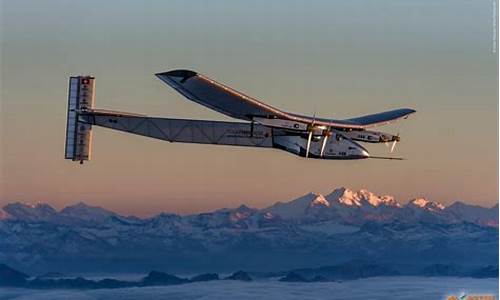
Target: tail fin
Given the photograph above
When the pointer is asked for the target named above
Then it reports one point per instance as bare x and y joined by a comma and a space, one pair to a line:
78, 134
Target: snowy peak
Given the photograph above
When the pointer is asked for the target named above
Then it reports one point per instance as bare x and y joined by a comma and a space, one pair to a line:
360, 198
319, 201
86, 212
42, 212
343, 196
426, 204
341, 206
390, 201
346, 206
30, 212
420, 202
293, 209
375, 200
241, 213
349, 198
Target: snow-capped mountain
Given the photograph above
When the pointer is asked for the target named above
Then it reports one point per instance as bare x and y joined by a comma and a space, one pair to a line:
31, 212
326, 229
427, 205
84, 212
42, 212
360, 198
342, 205
349, 207
474, 214
296, 208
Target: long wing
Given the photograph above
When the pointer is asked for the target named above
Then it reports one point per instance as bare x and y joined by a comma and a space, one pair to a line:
216, 96
230, 102
382, 118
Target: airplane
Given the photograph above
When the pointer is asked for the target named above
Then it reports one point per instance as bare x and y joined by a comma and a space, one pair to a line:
264, 126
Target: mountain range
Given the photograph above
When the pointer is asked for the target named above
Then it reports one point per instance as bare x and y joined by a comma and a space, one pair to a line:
310, 231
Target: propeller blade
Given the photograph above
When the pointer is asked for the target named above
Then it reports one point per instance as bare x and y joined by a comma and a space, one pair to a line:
393, 145
309, 143
395, 140
325, 138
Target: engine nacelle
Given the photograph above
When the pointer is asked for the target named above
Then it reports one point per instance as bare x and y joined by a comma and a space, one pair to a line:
371, 136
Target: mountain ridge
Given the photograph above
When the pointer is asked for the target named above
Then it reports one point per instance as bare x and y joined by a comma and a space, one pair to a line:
340, 204
312, 230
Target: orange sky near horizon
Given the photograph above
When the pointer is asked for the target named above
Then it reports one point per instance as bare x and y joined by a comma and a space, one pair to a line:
339, 58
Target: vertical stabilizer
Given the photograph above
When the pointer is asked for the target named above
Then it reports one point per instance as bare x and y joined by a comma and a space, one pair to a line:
78, 134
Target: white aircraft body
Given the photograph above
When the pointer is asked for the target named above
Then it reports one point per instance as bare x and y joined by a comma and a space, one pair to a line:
263, 126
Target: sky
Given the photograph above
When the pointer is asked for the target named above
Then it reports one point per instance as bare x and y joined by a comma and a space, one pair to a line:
339, 59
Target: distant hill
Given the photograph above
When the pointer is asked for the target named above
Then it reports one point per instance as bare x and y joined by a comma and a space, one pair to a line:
346, 271
11, 277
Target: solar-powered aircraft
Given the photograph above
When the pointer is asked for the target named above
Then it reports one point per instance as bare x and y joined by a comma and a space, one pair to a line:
264, 126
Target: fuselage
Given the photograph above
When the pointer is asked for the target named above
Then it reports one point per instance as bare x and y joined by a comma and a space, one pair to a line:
335, 147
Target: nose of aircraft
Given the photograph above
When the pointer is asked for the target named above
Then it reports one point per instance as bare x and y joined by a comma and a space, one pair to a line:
365, 154
360, 151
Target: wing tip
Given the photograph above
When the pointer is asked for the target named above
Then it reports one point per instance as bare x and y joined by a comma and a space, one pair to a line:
183, 74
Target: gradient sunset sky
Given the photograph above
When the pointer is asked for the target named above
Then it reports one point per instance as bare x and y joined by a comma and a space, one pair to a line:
338, 58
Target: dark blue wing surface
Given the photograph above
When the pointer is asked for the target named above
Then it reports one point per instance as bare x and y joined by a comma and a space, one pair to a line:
382, 118
216, 96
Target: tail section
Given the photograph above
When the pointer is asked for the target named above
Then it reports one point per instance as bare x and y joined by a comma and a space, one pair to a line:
78, 134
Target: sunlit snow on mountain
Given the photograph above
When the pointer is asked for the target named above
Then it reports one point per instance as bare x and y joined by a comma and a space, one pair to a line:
312, 230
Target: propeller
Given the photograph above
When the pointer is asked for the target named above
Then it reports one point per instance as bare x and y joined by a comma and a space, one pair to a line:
395, 140
393, 146
309, 138
325, 139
